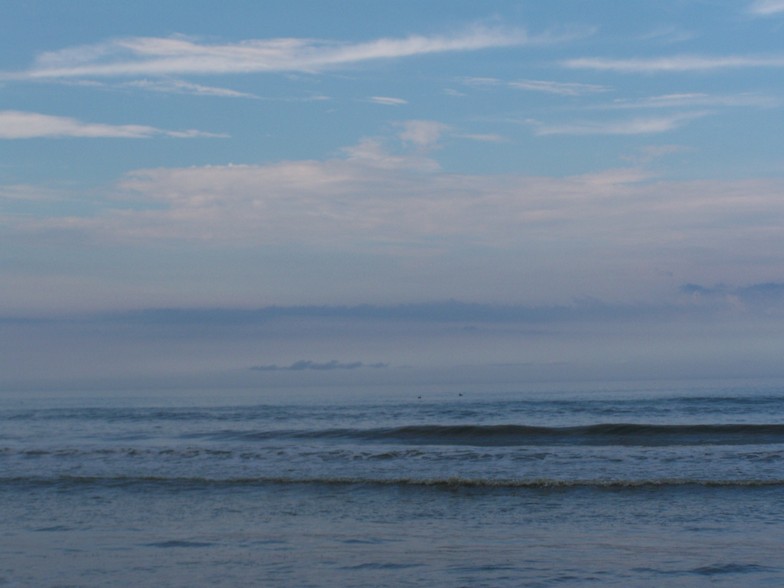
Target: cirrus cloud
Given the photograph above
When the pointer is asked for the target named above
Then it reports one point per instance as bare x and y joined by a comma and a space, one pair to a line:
634, 126
478, 233
675, 63
559, 88
173, 86
400, 199
179, 55
16, 124
694, 99
766, 7
388, 100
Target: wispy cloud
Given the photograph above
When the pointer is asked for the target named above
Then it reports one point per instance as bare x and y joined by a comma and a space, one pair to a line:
482, 137
179, 55
453, 92
26, 193
403, 212
647, 154
170, 86
766, 7
668, 35
346, 201
675, 63
632, 126
480, 81
697, 99
560, 88
16, 124
424, 134
371, 196
544, 86
388, 100
166, 85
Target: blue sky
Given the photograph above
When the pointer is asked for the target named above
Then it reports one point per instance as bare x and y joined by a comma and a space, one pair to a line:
539, 159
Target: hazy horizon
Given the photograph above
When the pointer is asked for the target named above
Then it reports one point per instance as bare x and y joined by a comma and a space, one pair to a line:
189, 191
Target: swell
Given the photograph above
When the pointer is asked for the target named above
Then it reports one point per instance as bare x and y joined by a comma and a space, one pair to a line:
193, 483
609, 434
700, 404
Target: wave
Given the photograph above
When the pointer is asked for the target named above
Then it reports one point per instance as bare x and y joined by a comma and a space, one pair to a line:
623, 434
181, 483
684, 405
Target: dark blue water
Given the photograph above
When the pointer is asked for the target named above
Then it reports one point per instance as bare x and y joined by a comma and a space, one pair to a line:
623, 485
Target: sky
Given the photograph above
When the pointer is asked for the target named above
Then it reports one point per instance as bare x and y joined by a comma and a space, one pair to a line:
272, 188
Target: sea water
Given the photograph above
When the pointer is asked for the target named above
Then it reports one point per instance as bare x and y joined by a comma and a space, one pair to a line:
622, 485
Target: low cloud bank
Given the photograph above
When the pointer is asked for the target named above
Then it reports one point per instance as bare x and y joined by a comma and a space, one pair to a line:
696, 301
306, 364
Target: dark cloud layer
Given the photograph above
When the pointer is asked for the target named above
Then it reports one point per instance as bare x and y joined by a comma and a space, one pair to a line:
698, 301
695, 301
765, 297
434, 312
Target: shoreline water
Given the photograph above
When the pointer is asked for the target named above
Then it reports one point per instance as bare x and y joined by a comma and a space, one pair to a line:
530, 488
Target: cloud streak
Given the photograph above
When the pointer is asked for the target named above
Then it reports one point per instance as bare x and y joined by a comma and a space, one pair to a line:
634, 126
386, 203
15, 124
544, 86
388, 101
766, 7
183, 87
179, 55
696, 99
675, 64
559, 88
397, 205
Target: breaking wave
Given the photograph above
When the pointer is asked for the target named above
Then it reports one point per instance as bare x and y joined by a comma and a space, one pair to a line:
622, 434
180, 483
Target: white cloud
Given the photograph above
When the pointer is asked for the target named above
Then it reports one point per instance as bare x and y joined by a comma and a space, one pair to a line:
766, 7
27, 193
560, 88
388, 101
676, 63
29, 125
692, 99
668, 35
182, 87
370, 153
424, 134
193, 134
480, 81
483, 234
482, 137
633, 126
155, 56
403, 209
369, 196
649, 153
453, 92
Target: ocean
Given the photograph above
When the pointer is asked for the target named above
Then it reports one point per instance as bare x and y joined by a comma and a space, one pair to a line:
623, 484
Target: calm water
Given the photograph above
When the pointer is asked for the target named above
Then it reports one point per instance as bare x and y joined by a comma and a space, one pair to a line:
617, 486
